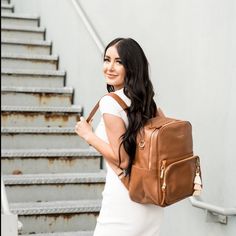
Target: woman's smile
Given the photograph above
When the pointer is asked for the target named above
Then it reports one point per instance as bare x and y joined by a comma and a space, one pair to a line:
111, 75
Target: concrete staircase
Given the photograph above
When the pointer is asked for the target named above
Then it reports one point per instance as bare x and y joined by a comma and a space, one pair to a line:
53, 179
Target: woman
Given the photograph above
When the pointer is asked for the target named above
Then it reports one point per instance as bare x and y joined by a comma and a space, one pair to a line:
126, 73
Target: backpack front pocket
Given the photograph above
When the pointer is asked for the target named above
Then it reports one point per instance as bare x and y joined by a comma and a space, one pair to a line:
178, 180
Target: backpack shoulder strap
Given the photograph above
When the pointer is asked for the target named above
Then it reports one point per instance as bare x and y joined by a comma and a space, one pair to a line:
92, 113
119, 100
113, 95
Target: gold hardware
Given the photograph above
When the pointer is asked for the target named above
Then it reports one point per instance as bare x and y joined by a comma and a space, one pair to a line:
163, 187
142, 144
163, 168
162, 172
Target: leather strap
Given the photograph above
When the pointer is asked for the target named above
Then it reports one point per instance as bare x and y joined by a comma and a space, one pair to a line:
119, 100
92, 113
113, 95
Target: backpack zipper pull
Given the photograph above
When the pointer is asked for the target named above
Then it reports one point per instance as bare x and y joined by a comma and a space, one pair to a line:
163, 166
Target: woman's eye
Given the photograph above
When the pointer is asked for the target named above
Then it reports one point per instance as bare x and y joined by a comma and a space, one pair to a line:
119, 62
106, 60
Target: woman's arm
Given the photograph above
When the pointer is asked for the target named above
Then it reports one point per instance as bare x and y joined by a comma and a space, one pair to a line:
114, 128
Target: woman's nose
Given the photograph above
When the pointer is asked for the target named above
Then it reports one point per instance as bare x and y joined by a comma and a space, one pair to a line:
111, 66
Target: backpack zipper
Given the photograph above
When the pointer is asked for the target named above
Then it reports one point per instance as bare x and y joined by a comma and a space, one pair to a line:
149, 158
163, 183
163, 166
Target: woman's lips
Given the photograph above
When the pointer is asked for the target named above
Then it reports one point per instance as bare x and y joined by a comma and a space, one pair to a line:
110, 75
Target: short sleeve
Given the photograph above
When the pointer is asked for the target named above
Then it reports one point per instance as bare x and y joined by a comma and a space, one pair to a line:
109, 105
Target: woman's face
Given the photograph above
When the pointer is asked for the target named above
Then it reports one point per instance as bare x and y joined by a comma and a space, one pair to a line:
113, 68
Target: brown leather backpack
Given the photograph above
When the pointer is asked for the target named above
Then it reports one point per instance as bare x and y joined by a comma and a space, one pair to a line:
164, 170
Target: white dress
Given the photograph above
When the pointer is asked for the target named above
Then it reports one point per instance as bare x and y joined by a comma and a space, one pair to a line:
119, 215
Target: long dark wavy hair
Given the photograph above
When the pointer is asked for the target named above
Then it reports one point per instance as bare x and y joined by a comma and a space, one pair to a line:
138, 88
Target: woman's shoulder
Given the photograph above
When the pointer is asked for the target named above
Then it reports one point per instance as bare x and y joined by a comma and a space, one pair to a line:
122, 95
109, 103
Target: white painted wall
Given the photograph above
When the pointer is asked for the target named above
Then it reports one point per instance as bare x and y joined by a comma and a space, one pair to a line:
191, 49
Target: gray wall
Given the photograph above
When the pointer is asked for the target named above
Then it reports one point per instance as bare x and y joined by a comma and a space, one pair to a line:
191, 50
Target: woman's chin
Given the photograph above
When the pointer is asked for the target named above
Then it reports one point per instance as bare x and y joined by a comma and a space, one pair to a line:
110, 82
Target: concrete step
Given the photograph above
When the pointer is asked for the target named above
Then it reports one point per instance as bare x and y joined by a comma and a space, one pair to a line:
33, 78
75, 233
18, 116
28, 47
26, 61
23, 96
54, 187
57, 216
23, 32
38, 161
40, 138
7, 8
16, 19
5, 1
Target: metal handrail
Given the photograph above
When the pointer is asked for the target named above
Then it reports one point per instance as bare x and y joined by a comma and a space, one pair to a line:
214, 213
5, 205
88, 25
197, 202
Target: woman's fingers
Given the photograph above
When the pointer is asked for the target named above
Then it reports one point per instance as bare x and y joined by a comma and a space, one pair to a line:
82, 118
82, 127
79, 123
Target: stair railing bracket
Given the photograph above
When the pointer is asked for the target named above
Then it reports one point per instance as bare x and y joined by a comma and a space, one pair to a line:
213, 213
216, 218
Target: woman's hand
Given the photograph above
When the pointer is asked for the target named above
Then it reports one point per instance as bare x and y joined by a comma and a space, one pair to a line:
83, 129
110, 151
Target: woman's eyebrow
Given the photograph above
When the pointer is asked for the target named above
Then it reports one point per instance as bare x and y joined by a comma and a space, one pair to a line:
117, 58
